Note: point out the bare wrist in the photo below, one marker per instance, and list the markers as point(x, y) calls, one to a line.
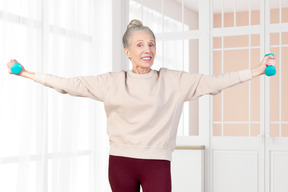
point(27, 74)
point(257, 71)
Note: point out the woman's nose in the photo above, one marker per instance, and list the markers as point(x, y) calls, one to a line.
point(147, 48)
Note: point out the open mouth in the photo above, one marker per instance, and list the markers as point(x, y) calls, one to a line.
point(146, 58)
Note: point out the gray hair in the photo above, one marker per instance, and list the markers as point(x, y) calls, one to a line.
point(133, 26)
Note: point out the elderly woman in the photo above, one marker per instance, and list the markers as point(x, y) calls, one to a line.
point(143, 108)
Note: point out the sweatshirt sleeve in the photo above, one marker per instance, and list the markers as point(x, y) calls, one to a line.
point(196, 85)
point(94, 87)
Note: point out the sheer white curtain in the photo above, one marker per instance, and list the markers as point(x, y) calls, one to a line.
point(51, 142)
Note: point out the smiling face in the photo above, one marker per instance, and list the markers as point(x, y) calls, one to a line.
point(141, 51)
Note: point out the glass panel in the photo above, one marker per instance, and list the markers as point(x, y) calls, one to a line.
point(217, 20)
point(236, 13)
point(255, 41)
point(278, 86)
point(284, 84)
point(217, 130)
point(229, 17)
point(19, 176)
point(16, 123)
point(274, 39)
point(285, 38)
point(152, 14)
point(135, 10)
point(274, 130)
point(178, 55)
point(242, 12)
point(191, 64)
point(236, 41)
point(255, 12)
point(255, 88)
point(274, 91)
point(217, 107)
point(82, 174)
point(255, 130)
point(217, 42)
point(21, 7)
point(217, 13)
point(217, 99)
point(284, 11)
point(285, 130)
point(74, 15)
point(237, 105)
point(191, 15)
point(69, 173)
point(173, 54)
point(232, 64)
point(274, 12)
point(173, 16)
point(8, 177)
point(239, 130)
point(236, 111)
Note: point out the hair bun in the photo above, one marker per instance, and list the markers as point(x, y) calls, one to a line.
point(134, 23)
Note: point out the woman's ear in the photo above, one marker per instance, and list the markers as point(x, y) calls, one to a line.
point(127, 52)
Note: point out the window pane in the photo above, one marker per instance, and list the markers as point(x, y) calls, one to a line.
point(75, 16)
point(152, 15)
point(241, 130)
point(284, 84)
point(24, 8)
point(284, 11)
point(191, 15)
point(255, 88)
point(69, 173)
point(172, 16)
point(8, 177)
point(16, 123)
point(231, 13)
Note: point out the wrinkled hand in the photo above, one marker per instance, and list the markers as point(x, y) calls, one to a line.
point(9, 64)
point(260, 69)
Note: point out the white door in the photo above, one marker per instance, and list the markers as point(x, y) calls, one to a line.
point(276, 112)
point(249, 135)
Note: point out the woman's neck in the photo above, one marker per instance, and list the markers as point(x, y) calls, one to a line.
point(140, 70)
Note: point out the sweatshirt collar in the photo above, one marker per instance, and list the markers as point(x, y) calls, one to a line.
point(146, 75)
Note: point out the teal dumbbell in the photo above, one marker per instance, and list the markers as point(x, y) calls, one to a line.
point(270, 70)
point(16, 68)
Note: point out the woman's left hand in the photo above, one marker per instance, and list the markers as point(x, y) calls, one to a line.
point(260, 69)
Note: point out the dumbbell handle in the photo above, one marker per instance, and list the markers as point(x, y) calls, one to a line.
point(270, 70)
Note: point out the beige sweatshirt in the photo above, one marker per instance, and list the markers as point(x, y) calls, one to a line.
point(143, 110)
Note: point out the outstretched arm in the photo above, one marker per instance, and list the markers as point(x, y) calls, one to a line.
point(196, 85)
point(94, 87)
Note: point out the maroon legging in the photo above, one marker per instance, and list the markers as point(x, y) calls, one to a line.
point(127, 174)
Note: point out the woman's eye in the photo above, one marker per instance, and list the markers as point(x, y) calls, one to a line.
point(151, 45)
point(139, 45)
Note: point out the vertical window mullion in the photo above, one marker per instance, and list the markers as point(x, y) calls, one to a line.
point(249, 7)
point(235, 15)
point(222, 67)
point(249, 108)
point(222, 14)
point(280, 83)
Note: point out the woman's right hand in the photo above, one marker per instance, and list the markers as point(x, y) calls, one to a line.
point(9, 64)
point(23, 73)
